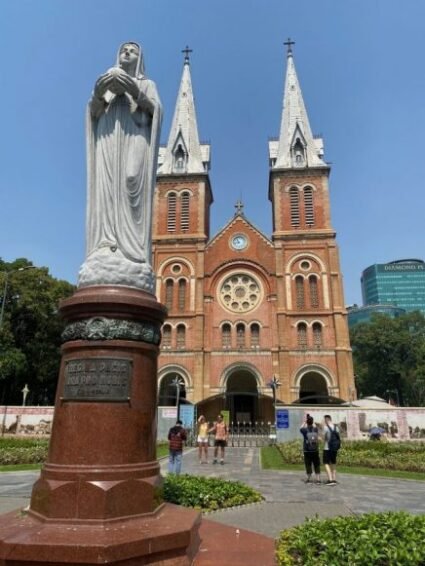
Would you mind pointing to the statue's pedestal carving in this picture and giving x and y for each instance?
(97, 500)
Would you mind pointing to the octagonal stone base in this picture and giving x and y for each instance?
(168, 537)
(81, 499)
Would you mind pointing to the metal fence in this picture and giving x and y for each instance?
(241, 435)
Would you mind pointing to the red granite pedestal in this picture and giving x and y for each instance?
(97, 500)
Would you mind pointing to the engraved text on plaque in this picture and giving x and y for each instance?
(97, 379)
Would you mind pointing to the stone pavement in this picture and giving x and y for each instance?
(287, 499)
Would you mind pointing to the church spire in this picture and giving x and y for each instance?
(296, 146)
(183, 152)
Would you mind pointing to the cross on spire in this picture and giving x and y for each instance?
(239, 207)
(186, 52)
(289, 43)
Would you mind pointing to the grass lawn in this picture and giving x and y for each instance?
(161, 449)
(271, 459)
(20, 467)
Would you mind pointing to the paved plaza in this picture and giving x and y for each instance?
(287, 499)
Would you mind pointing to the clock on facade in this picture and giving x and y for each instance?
(239, 242)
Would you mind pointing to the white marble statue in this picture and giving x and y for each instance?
(123, 130)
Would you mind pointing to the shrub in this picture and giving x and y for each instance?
(207, 494)
(22, 442)
(18, 450)
(23, 451)
(406, 456)
(375, 539)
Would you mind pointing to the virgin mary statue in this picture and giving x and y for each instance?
(123, 129)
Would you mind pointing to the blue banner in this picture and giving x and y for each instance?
(187, 415)
(282, 418)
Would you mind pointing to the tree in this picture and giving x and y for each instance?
(389, 356)
(30, 334)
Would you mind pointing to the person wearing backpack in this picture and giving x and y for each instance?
(330, 451)
(311, 449)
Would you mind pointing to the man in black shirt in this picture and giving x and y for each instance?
(311, 449)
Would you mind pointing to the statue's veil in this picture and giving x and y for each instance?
(140, 68)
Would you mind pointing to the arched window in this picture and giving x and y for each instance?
(308, 206)
(179, 159)
(182, 294)
(169, 287)
(184, 212)
(302, 334)
(226, 336)
(255, 335)
(299, 291)
(298, 153)
(317, 334)
(171, 212)
(166, 336)
(295, 207)
(314, 293)
(181, 336)
(240, 335)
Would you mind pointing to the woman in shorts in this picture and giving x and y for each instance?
(203, 440)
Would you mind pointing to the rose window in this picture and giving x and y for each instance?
(240, 293)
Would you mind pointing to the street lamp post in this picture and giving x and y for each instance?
(7, 274)
(274, 383)
(25, 392)
(178, 383)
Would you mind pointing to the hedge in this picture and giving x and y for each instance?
(406, 456)
(375, 539)
(23, 451)
(207, 494)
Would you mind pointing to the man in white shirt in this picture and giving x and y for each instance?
(330, 450)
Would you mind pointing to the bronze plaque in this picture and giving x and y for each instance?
(98, 379)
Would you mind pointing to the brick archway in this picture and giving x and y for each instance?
(313, 384)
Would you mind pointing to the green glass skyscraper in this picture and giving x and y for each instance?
(400, 283)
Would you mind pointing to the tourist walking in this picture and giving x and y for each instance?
(332, 445)
(310, 434)
(220, 431)
(203, 440)
(176, 438)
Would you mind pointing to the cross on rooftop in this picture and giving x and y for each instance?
(186, 52)
(289, 43)
(239, 207)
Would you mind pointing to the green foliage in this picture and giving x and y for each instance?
(407, 456)
(18, 450)
(207, 494)
(23, 451)
(30, 334)
(271, 458)
(161, 449)
(375, 539)
(389, 354)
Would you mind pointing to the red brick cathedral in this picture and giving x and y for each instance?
(245, 307)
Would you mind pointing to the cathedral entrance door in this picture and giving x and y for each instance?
(242, 397)
(313, 388)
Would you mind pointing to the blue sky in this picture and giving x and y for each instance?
(361, 68)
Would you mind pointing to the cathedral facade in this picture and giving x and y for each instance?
(245, 309)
